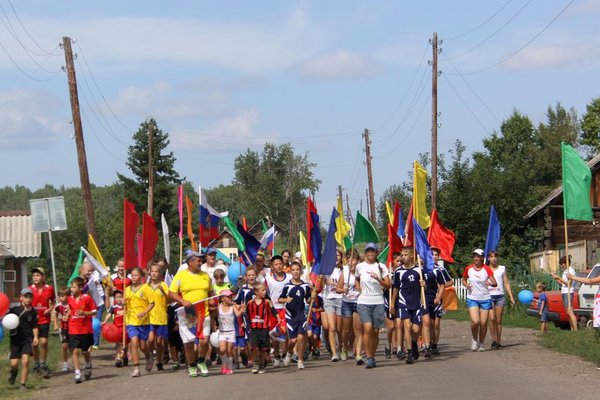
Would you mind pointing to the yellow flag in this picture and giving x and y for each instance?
(390, 212)
(420, 196)
(342, 227)
(95, 252)
(302, 239)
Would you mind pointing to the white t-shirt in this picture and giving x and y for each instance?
(371, 292)
(275, 287)
(182, 267)
(565, 288)
(211, 270)
(499, 275)
(350, 283)
(478, 278)
(330, 289)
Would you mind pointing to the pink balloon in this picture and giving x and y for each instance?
(4, 303)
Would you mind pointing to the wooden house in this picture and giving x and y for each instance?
(584, 236)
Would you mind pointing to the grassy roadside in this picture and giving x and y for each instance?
(34, 381)
(515, 316)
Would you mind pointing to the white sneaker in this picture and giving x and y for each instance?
(277, 363)
(286, 360)
(481, 347)
(66, 367)
(300, 365)
(474, 345)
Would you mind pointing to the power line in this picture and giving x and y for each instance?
(465, 104)
(91, 127)
(32, 77)
(525, 45)
(483, 23)
(50, 53)
(494, 33)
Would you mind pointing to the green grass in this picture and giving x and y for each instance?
(584, 343)
(34, 381)
(514, 316)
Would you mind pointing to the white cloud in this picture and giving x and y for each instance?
(586, 7)
(26, 122)
(135, 99)
(555, 56)
(339, 65)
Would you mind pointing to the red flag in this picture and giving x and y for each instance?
(180, 209)
(408, 239)
(189, 206)
(149, 240)
(131, 220)
(244, 223)
(441, 238)
(200, 317)
(394, 241)
(310, 208)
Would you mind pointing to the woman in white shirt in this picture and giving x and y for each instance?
(498, 299)
(566, 289)
(331, 317)
(351, 327)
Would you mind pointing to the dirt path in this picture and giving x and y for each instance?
(522, 370)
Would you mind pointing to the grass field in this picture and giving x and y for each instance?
(513, 316)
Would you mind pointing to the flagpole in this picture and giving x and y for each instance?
(568, 264)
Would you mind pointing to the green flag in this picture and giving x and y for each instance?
(364, 231)
(75, 273)
(241, 245)
(382, 257)
(577, 179)
(264, 226)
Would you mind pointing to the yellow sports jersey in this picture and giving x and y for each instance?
(158, 314)
(224, 286)
(192, 286)
(137, 302)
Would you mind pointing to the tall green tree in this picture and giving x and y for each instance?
(590, 127)
(166, 177)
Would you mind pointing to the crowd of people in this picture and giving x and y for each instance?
(273, 313)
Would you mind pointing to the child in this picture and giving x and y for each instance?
(314, 327)
(62, 323)
(244, 295)
(175, 343)
(139, 301)
(294, 295)
(23, 337)
(159, 332)
(542, 306)
(260, 311)
(228, 311)
(43, 303)
(220, 284)
(275, 282)
(81, 331)
(116, 312)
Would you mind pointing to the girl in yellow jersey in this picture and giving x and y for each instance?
(139, 299)
(159, 333)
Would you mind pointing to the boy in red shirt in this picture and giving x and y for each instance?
(116, 312)
(260, 312)
(81, 331)
(43, 303)
(62, 324)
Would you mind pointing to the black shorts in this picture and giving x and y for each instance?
(64, 336)
(43, 330)
(259, 339)
(83, 342)
(175, 339)
(17, 349)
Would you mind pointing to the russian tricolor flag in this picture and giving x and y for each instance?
(209, 221)
(268, 239)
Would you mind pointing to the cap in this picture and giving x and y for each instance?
(479, 252)
(193, 254)
(38, 269)
(211, 250)
(226, 292)
(371, 246)
(26, 291)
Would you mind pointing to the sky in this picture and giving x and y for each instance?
(223, 77)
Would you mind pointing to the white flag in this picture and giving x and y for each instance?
(165, 229)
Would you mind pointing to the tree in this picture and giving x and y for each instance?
(590, 127)
(166, 178)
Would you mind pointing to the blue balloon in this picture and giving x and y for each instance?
(1, 333)
(97, 326)
(236, 270)
(526, 297)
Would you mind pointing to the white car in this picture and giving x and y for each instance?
(587, 294)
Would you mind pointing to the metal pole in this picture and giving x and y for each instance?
(52, 253)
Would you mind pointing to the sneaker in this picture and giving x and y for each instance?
(228, 372)
(44, 371)
(36, 367)
(415, 351)
(300, 365)
(192, 371)
(244, 360)
(95, 347)
(23, 388)
(350, 355)
(255, 369)
(410, 358)
(388, 352)
(125, 361)
(317, 353)
(427, 352)
(149, 364)
(474, 345)
(344, 355)
(359, 360)
(277, 363)
(77, 377)
(294, 358)
(203, 369)
(118, 363)
(401, 355)
(135, 373)
(286, 360)
(223, 370)
(87, 372)
(334, 358)
(370, 363)
(494, 346)
(434, 350)
(262, 370)
(12, 377)
(481, 348)
(176, 366)
(66, 367)
(159, 367)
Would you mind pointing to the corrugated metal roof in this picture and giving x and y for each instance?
(4, 252)
(16, 234)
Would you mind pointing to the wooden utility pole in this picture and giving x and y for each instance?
(90, 221)
(348, 213)
(434, 121)
(373, 217)
(369, 203)
(150, 172)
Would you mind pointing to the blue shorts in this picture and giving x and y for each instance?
(141, 331)
(348, 309)
(565, 300)
(373, 314)
(240, 341)
(544, 316)
(483, 304)
(415, 316)
(498, 300)
(295, 328)
(315, 329)
(433, 310)
(161, 331)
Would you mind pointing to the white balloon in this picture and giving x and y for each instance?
(10, 321)
(214, 339)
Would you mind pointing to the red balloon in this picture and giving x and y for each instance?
(4, 303)
(112, 333)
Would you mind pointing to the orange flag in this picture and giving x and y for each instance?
(189, 206)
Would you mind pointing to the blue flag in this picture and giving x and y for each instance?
(252, 245)
(327, 262)
(493, 234)
(316, 241)
(400, 231)
(422, 247)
